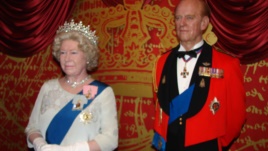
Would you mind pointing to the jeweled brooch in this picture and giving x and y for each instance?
(86, 117)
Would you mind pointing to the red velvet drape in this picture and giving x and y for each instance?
(112, 2)
(240, 25)
(29, 26)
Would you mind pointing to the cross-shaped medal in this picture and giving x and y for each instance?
(184, 73)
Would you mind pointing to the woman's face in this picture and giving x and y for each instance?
(72, 59)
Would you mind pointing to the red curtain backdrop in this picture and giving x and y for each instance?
(241, 25)
(29, 26)
(242, 28)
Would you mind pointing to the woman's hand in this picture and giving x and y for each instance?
(82, 146)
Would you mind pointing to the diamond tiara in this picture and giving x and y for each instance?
(85, 30)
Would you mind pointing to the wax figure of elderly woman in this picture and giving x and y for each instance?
(74, 112)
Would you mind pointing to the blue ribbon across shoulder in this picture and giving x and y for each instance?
(180, 104)
(63, 120)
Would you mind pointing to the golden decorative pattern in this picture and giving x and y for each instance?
(132, 36)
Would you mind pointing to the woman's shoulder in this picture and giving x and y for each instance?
(100, 83)
(51, 82)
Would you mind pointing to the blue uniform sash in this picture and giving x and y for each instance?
(63, 120)
(180, 104)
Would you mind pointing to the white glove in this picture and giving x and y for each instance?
(38, 143)
(81, 146)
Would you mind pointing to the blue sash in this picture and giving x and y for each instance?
(180, 104)
(61, 122)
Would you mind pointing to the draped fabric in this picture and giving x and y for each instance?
(111, 3)
(29, 26)
(240, 25)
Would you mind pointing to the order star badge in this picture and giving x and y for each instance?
(214, 105)
(86, 117)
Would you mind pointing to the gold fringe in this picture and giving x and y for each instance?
(155, 85)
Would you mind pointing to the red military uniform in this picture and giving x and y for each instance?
(222, 113)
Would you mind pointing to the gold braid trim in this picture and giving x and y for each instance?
(155, 85)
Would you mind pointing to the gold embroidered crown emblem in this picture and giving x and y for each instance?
(79, 27)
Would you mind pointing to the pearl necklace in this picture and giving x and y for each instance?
(75, 84)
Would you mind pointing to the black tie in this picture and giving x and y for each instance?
(191, 53)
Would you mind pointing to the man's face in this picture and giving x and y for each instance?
(188, 21)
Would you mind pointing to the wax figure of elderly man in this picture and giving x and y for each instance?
(199, 93)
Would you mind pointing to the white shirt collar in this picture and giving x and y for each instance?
(199, 44)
